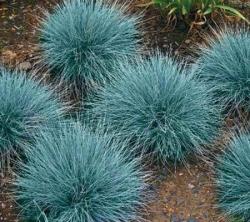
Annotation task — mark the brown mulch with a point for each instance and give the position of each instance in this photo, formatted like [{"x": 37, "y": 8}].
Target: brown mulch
[
  {"x": 186, "y": 194},
  {"x": 8, "y": 212}
]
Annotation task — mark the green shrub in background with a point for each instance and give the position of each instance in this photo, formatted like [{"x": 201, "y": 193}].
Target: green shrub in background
[{"x": 196, "y": 10}]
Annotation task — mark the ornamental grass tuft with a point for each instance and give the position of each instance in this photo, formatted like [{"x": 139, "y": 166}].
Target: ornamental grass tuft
[
  {"x": 26, "y": 108},
  {"x": 233, "y": 178},
  {"x": 73, "y": 175},
  {"x": 157, "y": 106},
  {"x": 82, "y": 40},
  {"x": 224, "y": 65}
]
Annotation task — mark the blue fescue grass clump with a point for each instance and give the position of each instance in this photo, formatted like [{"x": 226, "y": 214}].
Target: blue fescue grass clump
[
  {"x": 83, "y": 39},
  {"x": 233, "y": 178},
  {"x": 73, "y": 175},
  {"x": 158, "y": 106},
  {"x": 224, "y": 64},
  {"x": 26, "y": 107}
]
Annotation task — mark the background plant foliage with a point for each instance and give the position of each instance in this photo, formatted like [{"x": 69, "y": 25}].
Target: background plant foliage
[{"x": 200, "y": 9}]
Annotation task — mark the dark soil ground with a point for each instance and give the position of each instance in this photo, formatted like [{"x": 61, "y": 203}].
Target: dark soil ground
[{"x": 185, "y": 194}]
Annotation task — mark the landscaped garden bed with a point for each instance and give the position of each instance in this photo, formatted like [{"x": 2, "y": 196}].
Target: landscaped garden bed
[{"x": 111, "y": 113}]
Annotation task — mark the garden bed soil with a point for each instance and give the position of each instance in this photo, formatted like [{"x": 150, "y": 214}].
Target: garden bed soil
[
  {"x": 186, "y": 194},
  {"x": 8, "y": 212}
]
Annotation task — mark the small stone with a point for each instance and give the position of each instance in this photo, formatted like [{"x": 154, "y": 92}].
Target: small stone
[
  {"x": 188, "y": 41},
  {"x": 191, "y": 186},
  {"x": 20, "y": 46},
  {"x": 25, "y": 66},
  {"x": 3, "y": 205}
]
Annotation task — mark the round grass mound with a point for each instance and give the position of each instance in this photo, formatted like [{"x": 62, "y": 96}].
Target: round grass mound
[
  {"x": 73, "y": 175},
  {"x": 233, "y": 178},
  {"x": 26, "y": 108},
  {"x": 83, "y": 39},
  {"x": 224, "y": 65},
  {"x": 158, "y": 106}
]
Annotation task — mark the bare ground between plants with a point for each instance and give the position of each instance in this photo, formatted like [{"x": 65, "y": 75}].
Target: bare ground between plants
[{"x": 186, "y": 194}]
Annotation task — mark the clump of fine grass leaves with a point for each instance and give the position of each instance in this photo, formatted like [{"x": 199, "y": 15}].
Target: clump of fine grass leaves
[
  {"x": 224, "y": 65},
  {"x": 73, "y": 175},
  {"x": 233, "y": 178},
  {"x": 81, "y": 40},
  {"x": 26, "y": 107},
  {"x": 157, "y": 105}
]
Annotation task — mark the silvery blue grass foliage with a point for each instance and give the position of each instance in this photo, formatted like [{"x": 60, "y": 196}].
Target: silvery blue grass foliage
[
  {"x": 159, "y": 106},
  {"x": 26, "y": 107},
  {"x": 73, "y": 175},
  {"x": 233, "y": 178},
  {"x": 83, "y": 39},
  {"x": 225, "y": 65}
]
